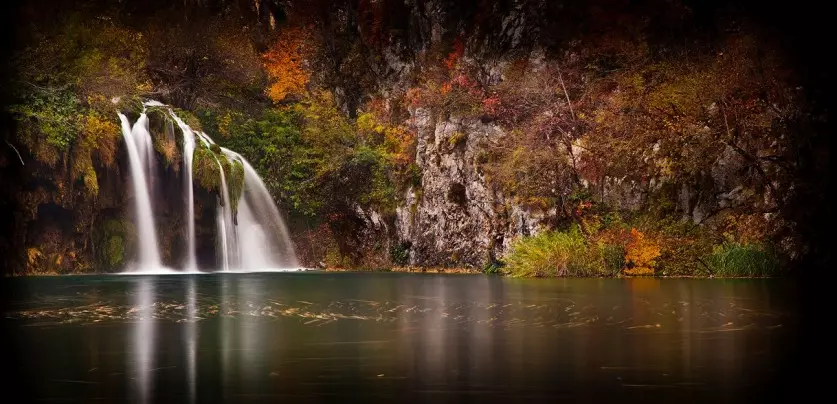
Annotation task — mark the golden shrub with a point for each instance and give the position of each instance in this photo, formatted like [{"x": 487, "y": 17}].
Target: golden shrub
[{"x": 640, "y": 254}]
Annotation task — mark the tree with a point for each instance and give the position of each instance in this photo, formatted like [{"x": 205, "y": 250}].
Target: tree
[{"x": 285, "y": 64}]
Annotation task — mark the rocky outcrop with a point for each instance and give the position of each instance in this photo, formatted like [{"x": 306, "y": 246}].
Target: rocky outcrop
[{"x": 456, "y": 217}]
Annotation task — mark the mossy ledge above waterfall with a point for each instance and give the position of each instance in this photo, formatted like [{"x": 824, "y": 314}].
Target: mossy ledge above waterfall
[
  {"x": 206, "y": 171},
  {"x": 687, "y": 139}
]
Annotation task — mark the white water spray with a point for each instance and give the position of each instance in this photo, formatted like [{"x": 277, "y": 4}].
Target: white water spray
[
  {"x": 149, "y": 255},
  {"x": 188, "y": 156}
]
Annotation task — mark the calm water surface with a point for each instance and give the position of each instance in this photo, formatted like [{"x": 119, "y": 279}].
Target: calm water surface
[{"x": 314, "y": 337}]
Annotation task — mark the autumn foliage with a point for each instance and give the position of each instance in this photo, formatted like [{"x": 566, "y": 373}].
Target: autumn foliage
[
  {"x": 641, "y": 253},
  {"x": 284, "y": 63}
]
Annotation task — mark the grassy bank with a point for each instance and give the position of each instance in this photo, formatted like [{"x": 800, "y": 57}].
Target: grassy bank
[{"x": 628, "y": 251}]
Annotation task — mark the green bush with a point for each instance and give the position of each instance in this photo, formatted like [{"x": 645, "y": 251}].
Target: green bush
[
  {"x": 493, "y": 267},
  {"x": 743, "y": 260},
  {"x": 554, "y": 253},
  {"x": 613, "y": 257},
  {"x": 399, "y": 254}
]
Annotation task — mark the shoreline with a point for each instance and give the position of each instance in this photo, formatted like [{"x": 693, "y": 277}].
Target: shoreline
[{"x": 415, "y": 270}]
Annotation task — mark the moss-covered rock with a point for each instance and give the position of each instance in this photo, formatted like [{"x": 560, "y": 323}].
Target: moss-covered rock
[
  {"x": 205, "y": 169},
  {"x": 130, "y": 106},
  {"x": 235, "y": 183},
  {"x": 113, "y": 251},
  {"x": 113, "y": 238},
  {"x": 166, "y": 135},
  {"x": 188, "y": 118}
]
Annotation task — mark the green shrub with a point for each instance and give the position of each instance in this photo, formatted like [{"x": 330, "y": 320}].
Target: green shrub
[
  {"x": 613, "y": 257},
  {"x": 399, "y": 253},
  {"x": 743, "y": 260},
  {"x": 493, "y": 267},
  {"x": 554, "y": 253}
]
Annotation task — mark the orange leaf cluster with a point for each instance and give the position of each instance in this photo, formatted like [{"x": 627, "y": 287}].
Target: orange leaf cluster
[
  {"x": 640, "y": 254},
  {"x": 284, "y": 63},
  {"x": 490, "y": 105}
]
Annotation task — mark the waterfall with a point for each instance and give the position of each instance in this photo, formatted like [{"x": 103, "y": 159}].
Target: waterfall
[
  {"x": 149, "y": 255},
  {"x": 256, "y": 238},
  {"x": 188, "y": 156},
  {"x": 230, "y": 229},
  {"x": 225, "y": 223},
  {"x": 145, "y": 150},
  {"x": 264, "y": 237}
]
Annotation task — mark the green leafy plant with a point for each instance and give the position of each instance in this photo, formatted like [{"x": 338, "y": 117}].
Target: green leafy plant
[
  {"x": 554, "y": 253},
  {"x": 743, "y": 260},
  {"x": 400, "y": 254}
]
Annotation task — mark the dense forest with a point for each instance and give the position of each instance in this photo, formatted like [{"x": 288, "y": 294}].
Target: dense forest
[{"x": 536, "y": 138}]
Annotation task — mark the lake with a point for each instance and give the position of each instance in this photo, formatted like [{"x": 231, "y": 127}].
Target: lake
[{"x": 313, "y": 337}]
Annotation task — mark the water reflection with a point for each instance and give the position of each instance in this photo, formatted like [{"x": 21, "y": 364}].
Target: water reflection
[
  {"x": 249, "y": 331},
  {"x": 226, "y": 331},
  {"x": 143, "y": 342},
  {"x": 235, "y": 337},
  {"x": 191, "y": 337}
]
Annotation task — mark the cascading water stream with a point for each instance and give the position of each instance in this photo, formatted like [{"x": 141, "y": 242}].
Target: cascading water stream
[
  {"x": 188, "y": 157},
  {"x": 149, "y": 255},
  {"x": 225, "y": 221},
  {"x": 145, "y": 150},
  {"x": 263, "y": 235},
  {"x": 256, "y": 240}
]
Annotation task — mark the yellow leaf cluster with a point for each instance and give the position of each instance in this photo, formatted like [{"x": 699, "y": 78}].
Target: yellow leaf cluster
[
  {"x": 101, "y": 135},
  {"x": 640, "y": 254}
]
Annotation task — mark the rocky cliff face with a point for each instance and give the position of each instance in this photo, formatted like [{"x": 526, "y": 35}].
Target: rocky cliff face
[{"x": 456, "y": 217}]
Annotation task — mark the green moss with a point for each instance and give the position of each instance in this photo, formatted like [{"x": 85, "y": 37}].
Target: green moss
[
  {"x": 206, "y": 173},
  {"x": 205, "y": 169},
  {"x": 165, "y": 134},
  {"x": 189, "y": 119},
  {"x": 157, "y": 119},
  {"x": 50, "y": 117},
  {"x": 235, "y": 183},
  {"x": 91, "y": 182},
  {"x": 130, "y": 106},
  {"x": 457, "y": 139},
  {"x": 112, "y": 238},
  {"x": 114, "y": 251}
]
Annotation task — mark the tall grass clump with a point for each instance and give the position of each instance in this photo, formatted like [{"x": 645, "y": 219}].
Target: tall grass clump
[
  {"x": 743, "y": 260},
  {"x": 554, "y": 253}
]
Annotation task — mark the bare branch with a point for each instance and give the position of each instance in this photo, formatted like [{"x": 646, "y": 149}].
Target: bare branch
[
  {"x": 566, "y": 94},
  {"x": 18, "y": 153}
]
